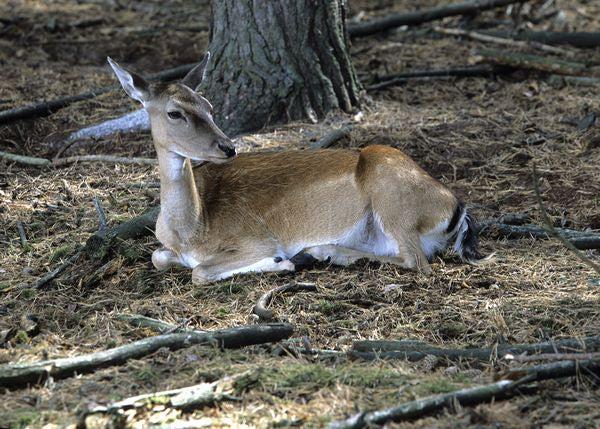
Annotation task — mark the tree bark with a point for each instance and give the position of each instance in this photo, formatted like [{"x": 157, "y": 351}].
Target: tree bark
[{"x": 278, "y": 61}]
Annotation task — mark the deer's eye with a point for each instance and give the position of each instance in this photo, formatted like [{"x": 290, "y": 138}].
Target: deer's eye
[{"x": 174, "y": 114}]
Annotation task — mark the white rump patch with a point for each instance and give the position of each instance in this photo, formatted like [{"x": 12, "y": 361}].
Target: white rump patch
[
  {"x": 435, "y": 240},
  {"x": 368, "y": 236}
]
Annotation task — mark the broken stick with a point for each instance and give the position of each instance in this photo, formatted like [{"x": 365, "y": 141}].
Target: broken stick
[
  {"x": 419, "y": 17},
  {"x": 417, "y": 350},
  {"x": 261, "y": 310},
  {"x": 12, "y": 375},
  {"x": 470, "y": 396}
]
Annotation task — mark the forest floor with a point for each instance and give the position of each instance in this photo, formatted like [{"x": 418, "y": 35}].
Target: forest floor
[{"x": 480, "y": 136}]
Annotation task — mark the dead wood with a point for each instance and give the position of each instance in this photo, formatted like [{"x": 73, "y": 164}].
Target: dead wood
[
  {"x": 103, "y": 158},
  {"x": 502, "y": 389},
  {"x": 156, "y": 325},
  {"x": 552, "y": 370},
  {"x": 99, "y": 244},
  {"x": 416, "y": 350},
  {"x": 22, "y": 235},
  {"x": 101, "y": 216},
  {"x": 573, "y": 80},
  {"x": 414, "y": 409},
  {"x": 59, "y": 162},
  {"x": 12, "y": 375},
  {"x": 580, "y": 239},
  {"x": 185, "y": 398},
  {"x": 400, "y": 78},
  {"x": 504, "y": 41},
  {"x": 46, "y": 108},
  {"x": 535, "y": 62},
  {"x": 550, "y": 228},
  {"x": 554, "y": 356},
  {"x": 23, "y": 159},
  {"x": 261, "y": 310},
  {"x": 578, "y": 39},
  {"x": 426, "y": 15},
  {"x": 329, "y": 139}
]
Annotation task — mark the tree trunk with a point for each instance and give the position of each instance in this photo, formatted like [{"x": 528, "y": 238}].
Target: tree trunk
[{"x": 276, "y": 61}]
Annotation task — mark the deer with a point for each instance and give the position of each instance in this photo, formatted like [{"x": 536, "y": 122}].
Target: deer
[{"x": 223, "y": 213}]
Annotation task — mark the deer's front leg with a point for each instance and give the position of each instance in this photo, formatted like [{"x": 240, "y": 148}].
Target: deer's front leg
[
  {"x": 164, "y": 258},
  {"x": 204, "y": 274}
]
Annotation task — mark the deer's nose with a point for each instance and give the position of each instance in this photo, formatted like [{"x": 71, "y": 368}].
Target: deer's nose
[{"x": 227, "y": 147}]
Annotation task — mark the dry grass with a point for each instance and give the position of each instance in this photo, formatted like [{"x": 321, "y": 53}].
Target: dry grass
[{"x": 479, "y": 136}]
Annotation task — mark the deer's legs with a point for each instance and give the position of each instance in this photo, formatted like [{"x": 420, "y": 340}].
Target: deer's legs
[
  {"x": 203, "y": 273},
  {"x": 164, "y": 258},
  {"x": 345, "y": 256}
]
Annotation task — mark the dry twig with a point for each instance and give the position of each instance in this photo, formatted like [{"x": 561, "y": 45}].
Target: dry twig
[
  {"x": 551, "y": 230},
  {"x": 261, "y": 310},
  {"x": 503, "y": 41},
  {"x": 535, "y": 62}
]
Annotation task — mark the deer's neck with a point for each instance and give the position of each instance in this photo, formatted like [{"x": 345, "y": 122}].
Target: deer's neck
[{"x": 180, "y": 204}]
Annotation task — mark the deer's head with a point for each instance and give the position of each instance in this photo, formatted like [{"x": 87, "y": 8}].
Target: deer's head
[{"x": 180, "y": 118}]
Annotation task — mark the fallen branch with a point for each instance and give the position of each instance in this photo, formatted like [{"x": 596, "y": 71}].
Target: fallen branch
[
  {"x": 332, "y": 137},
  {"x": 549, "y": 371},
  {"x": 578, "y": 39},
  {"x": 156, "y": 325},
  {"x": 260, "y": 309},
  {"x": 46, "y": 108},
  {"x": 426, "y": 15},
  {"x": 12, "y": 375},
  {"x": 580, "y": 239},
  {"x": 400, "y": 78},
  {"x": 99, "y": 244},
  {"x": 548, "y": 225},
  {"x": 554, "y": 356},
  {"x": 102, "y": 224},
  {"x": 535, "y": 62},
  {"x": 416, "y": 350},
  {"x": 135, "y": 121},
  {"x": 421, "y": 407},
  {"x": 574, "y": 80},
  {"x": 103, "y": 158},
  {"x": 471, "y": 396},
  {"x": 22, "y": 235},
  {"x": 185, "y": 398},
  {"x": 503, "y": 41},
  {"x": 43, "y": 162},
  {"x": 23, "y": 159}
]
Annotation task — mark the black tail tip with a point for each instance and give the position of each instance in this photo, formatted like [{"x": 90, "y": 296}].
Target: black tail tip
[{"x": 469, "y": 244}]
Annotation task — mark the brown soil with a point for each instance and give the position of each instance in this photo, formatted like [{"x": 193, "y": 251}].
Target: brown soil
[{"x": 480, "y": 136}]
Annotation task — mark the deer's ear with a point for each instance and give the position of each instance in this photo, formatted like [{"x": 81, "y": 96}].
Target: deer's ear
[
  {"x": 196, "y": 75},
  {"x": 134, "y": 85}
]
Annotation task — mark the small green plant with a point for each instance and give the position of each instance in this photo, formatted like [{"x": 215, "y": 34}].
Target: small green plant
[
  {"x": 146, "y": 374},
  {"x": 21, "y": 337},
  {"x": 437, "y": 386},
  {"x": 60, "y": 253},
  {"x": 23, "y": 419},
  {"x": 231, "y": 288},
  {"x": 329, "y": 307}
]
